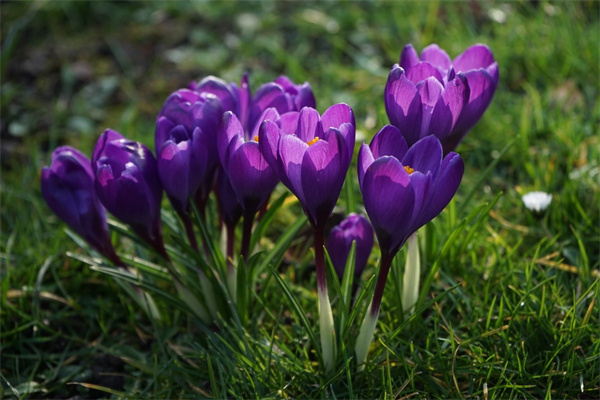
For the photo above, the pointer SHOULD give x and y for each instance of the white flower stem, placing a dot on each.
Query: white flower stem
(327, 330)
(209, 294)
(192, 302)
(365, 337)
(412, 272)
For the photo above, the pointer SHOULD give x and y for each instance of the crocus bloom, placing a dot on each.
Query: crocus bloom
(402, 190)
(128, 185)
(68, 188)
(354, 228)
(312, 162)
(416, 95)
(185, 140)
(537, 201)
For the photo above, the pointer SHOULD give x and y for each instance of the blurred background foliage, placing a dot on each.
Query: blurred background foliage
(70, 69)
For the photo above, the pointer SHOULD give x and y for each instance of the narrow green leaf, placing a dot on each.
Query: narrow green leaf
(298, 310)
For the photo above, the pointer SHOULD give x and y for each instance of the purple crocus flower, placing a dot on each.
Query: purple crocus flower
(68, 188)
(128, 185)
(403, 189)
(413, 81)
(313, 160)
(354, 228)
(185, 143)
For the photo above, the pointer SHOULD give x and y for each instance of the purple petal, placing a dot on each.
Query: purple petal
(288, 122)
(336, 115)
(221, 89)
(268, 95)
(269, 114)
(430, 91)
(305, 97)
(444, 188)
(291, 152)
(323, 173)
(450, 106)
(389, 142)
(423, 188)
(423, 70)
(482, 87)
(201, 161)
(475, 57)
(352, 228)
(309, 125)
(229, 130)
(403, 104)
(341, 117)
(424, 156)
(108, 136)
(251, 177)
(389, 199)
(174, 169)
(365, 159)
(229, 208)
(409, 57)
(436, 56)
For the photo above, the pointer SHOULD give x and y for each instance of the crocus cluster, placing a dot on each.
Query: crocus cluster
(215, 136)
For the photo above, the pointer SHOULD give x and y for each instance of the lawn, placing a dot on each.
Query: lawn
(509, 297)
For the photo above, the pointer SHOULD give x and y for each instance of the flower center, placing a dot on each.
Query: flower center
(409, 169)
(255, 138)
(315, 140)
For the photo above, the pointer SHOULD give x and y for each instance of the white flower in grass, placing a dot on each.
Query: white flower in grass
(537, 201)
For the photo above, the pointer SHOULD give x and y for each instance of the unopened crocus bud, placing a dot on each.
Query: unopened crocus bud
(68, 188)
(355, 228)
(128, 185)
(185, 140)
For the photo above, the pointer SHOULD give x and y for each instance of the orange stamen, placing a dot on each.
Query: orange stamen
(315, 140)
(255, 139)
(409, 169)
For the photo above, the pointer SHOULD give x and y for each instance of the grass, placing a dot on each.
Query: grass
(517, 314)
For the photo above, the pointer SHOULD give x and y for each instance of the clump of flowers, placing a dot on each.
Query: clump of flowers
(217, 137)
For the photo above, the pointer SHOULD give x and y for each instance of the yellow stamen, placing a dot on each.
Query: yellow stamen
(409, 169)
(315, 140)
(255, 139)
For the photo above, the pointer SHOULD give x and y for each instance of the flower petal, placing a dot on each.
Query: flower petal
(291, 152)
(424, 156)
(390, 213)
(403, 104)
(268, 95)
(174, 170)
(409, 57)
(229, 130)
(389, 142)
(475, 57)
(309, 125)
(423, 70)
(445, 186)
(482, 87)
(323, 174)
(365, 159)
(436, 56)
(250, 176)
